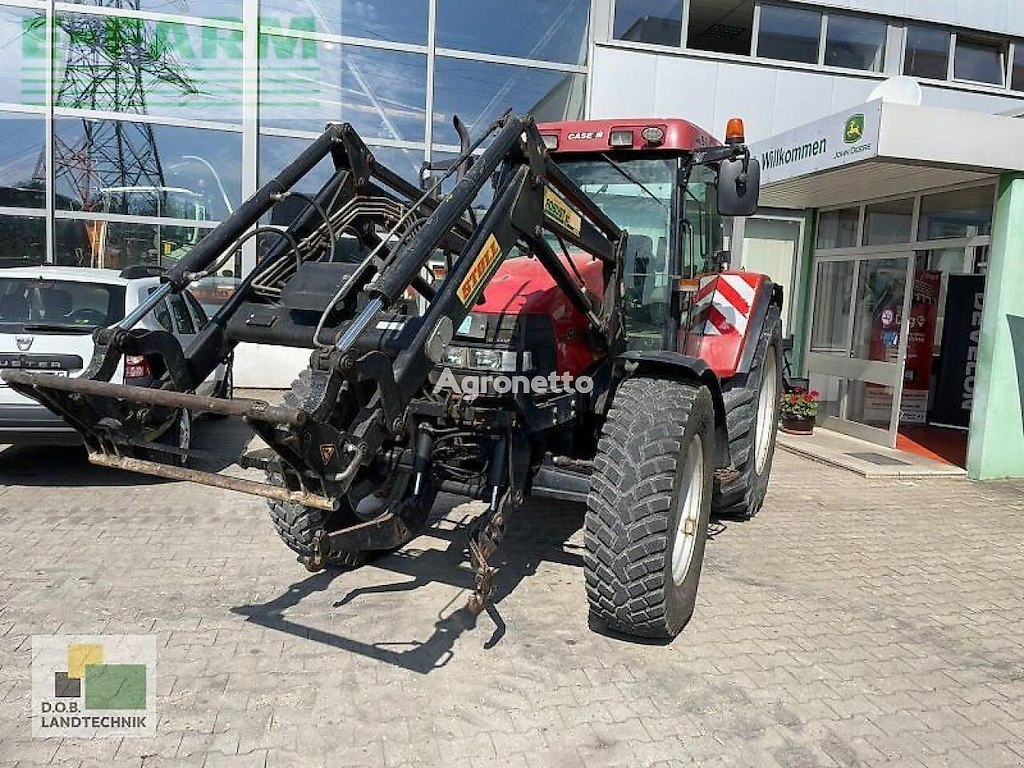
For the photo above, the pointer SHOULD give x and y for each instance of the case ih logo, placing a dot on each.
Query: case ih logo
(585, 135)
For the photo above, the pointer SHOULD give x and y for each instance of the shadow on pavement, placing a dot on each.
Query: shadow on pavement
(537, 535)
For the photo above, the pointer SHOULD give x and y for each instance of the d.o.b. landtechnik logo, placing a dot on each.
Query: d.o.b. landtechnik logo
(89, 686)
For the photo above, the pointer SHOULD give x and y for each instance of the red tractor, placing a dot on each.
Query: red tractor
(584, 343)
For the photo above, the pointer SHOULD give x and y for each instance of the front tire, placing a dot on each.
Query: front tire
(648, 508)
(752, 417)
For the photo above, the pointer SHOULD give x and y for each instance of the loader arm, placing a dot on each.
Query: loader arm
(370, 358)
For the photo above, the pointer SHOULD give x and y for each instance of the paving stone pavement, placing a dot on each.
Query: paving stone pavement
(854, 623)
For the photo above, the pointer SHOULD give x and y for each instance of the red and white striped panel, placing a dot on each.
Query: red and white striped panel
(723, 303)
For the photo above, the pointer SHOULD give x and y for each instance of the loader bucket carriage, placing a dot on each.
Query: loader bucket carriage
(366, 437)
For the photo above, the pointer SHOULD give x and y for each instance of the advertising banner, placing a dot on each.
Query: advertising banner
(917, 376)
(961, 333)
(832, 142)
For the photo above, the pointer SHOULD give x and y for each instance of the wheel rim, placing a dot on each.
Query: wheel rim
(691, 501)
(766, 411)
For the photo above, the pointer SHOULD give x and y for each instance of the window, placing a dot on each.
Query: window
(960, 213)
(837, 229)
(197, 310)
(927, 53)
(833, 292)
(554, 30)
(163, 316)
(382, 93)
(649, 21)
(217, 9)
(979, 60)
(855, 43)
(23, 240)
(1017, 76)
(58, 304)
(182, 318)
(790, 34)
(479, 92)
(156, 170)
(183, 71)
(23, 47)
(713, 26)
(22, 183)
(888, 222)
(403, 21)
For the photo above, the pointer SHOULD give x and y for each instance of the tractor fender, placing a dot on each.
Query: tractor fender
(769, 296)
(683, 367)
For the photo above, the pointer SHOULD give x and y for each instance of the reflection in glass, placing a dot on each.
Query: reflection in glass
(712, 27)
(22, 239)
(927, 53)
(830, 392)
(649, 21)
(960, 213)
(888, 222)
(210, 9)
(837, 229)
(980, 61)
(553, 30)
(23, 48)
(382, 93)
(869, 404)
(118, 64)
(275, 153)
(22, 161)
(833, 294)
(147, 170)
(881, 286)
(855, 42)
(1017, 78)
(403, 21)
(479, 92)
(116, 245)
(790, 34)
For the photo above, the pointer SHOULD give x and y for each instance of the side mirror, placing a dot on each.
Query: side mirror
(738, 190)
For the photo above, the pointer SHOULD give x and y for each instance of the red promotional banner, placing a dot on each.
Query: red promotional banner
(917, 375)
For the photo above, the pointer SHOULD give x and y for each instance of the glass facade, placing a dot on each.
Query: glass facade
(147, 122)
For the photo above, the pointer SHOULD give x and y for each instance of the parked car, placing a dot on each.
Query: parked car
(47, 317)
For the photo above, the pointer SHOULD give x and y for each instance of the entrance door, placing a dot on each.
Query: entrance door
(858, 342)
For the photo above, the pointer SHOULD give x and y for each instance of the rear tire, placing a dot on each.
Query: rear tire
(752, 416)
(648, 508)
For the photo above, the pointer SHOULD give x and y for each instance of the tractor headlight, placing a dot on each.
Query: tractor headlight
(484, 359)
(457, 357)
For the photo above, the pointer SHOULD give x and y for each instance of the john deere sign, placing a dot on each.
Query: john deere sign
(829, 143)
(854, 130)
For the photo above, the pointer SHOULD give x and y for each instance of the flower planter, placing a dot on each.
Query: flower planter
(797, 425)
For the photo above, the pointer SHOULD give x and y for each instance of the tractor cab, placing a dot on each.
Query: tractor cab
(645, 176)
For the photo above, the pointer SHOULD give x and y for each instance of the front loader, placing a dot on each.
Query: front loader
(558, 356)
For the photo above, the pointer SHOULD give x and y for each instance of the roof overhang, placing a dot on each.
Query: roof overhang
(883, 149)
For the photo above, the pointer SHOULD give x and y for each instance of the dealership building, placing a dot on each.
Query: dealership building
(893, 200)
